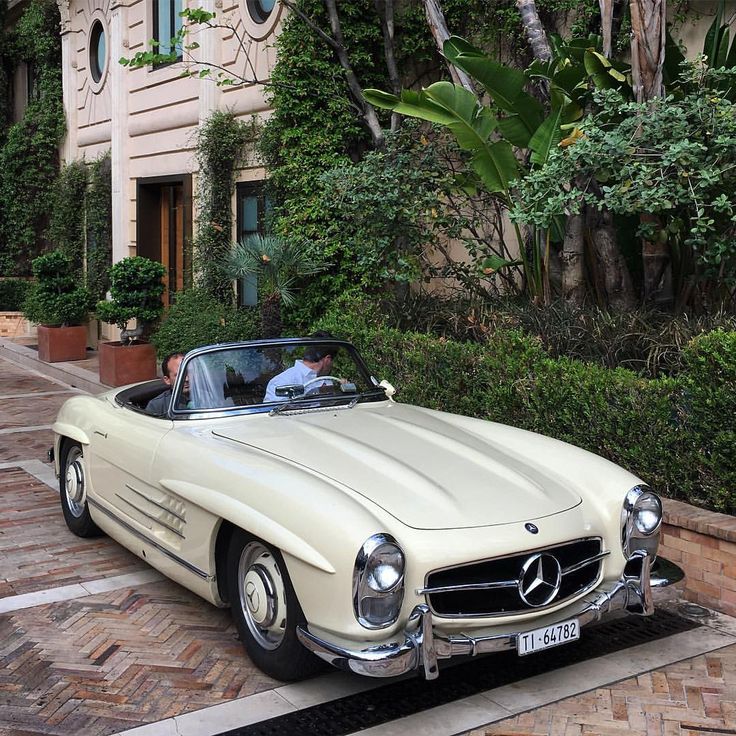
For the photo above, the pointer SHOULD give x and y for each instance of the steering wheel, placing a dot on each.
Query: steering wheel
(334, 379)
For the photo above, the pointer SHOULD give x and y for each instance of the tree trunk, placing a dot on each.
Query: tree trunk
(271, 315)
(535, 33)
(619, 292)
(336, 42)
(385, 10)
(657, 266)
(438, 26)
(648, 29)
(573, 250)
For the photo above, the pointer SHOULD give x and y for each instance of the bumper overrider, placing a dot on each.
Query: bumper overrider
(422, 647)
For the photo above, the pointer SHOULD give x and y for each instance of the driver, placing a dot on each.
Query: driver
(317, 361)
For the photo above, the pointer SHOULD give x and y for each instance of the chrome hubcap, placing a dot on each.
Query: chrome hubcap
(262, 596)
(74, 483)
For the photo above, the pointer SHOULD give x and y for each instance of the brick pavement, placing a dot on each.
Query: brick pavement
(695, 697)
(96, 664)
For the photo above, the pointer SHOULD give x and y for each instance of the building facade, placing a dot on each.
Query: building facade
(148, 118)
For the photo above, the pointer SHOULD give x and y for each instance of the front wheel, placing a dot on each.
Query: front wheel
(266, 610)
(73, 491)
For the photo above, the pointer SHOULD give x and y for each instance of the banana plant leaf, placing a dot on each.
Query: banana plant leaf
(504, 84)
(459, 110)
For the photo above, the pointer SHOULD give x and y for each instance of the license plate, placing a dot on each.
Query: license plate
(548, 636)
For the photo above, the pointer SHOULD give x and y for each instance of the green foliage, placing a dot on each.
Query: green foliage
(277, 264)
(29, 148)
(708, 424)
(13, 293)
(56, 298)
(66, 223)
(136, 288)
(314, 125)
(98, 213)
(678, 434)
(220, 148)
(674, 158)
(379, 216)
(650, 343)
(198, 319)
(5, 76)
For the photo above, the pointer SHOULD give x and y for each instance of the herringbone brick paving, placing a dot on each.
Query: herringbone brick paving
(37, 551)
(120, 659)
(102, 663)
(696, 696)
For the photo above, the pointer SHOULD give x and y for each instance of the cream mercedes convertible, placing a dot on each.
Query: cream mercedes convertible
(283, 481)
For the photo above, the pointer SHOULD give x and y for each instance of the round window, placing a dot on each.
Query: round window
(97, 51)
(260, 10)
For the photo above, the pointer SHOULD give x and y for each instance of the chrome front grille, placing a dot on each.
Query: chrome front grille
(493, 588)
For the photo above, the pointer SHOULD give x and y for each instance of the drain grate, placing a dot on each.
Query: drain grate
(387, 703)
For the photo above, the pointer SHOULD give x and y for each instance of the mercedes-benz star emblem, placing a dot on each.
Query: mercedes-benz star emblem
(540, 579)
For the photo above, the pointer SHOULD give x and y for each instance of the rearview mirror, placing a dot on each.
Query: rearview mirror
(290, 390)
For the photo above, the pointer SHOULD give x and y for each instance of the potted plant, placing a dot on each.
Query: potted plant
(136, 288)
(59, 305)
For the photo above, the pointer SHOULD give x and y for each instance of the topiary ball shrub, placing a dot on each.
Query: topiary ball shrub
(136, 290)
(56, 299)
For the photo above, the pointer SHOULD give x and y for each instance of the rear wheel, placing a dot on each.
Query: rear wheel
(266, 610)
(73, 491)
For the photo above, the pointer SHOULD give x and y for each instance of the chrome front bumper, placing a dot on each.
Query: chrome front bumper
(422, 647)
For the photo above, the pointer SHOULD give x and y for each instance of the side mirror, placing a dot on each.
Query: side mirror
(388, 389)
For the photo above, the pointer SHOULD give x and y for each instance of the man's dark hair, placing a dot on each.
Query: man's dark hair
(314, 353)
(165, 362)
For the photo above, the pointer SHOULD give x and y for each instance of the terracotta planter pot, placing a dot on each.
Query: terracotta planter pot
(122, 364)
(56, 344)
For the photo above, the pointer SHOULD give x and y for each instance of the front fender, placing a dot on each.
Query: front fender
(255, 522)
(61, 431)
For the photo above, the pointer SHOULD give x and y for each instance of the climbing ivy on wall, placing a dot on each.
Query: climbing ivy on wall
(98, 213)
(220, 150)
(29, 158)
(66, 222)
(4, 71)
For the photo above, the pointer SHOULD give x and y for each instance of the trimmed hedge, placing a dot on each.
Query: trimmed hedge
(678, 434)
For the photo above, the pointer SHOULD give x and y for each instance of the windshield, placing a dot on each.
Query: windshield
(273, 375)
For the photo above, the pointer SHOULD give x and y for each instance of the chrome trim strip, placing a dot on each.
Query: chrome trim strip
(155, 520)
(468, 586)
(175, 558)
(156, 503)
(584, 563)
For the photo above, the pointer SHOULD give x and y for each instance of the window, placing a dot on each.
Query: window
(97, 51)
(251, 218)
(167, 22)
(260, 10)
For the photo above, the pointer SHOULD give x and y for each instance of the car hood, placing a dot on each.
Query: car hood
(419, 465)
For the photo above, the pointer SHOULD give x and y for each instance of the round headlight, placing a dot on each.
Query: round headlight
(385, 568)
(641, 518)
(647, 513)
(378, 582)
